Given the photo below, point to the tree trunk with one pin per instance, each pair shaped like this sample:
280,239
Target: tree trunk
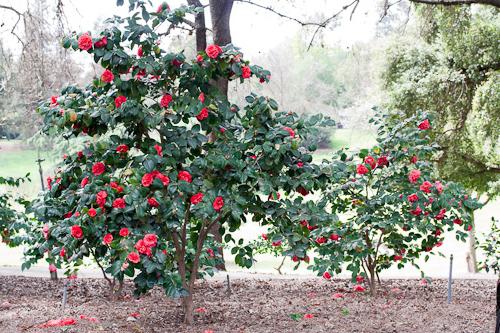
188,307
472,246
372,282
200,26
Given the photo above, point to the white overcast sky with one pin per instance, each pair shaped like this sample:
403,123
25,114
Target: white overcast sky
254,30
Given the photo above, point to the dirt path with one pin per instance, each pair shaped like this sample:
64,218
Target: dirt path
257,305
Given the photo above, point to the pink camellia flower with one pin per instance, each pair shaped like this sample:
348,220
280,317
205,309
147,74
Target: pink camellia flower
246,72
142,248
469,227
98,168
201,97
327,275
147,180
164,179
360,279
438,186
308,316
133,257
361,169
413,197
338,296
370,161
417,211
424,125
84,182
85,42
199,58
108,238
119,203
101,42
440,215
200,310
184,176
159,149
300,164
203,114
107,76
116,187
208,331
101,198
124,232
152,202
426,187
196,198
122,149
165,100
211,253
52,268
119,101
76,231
438,244
423,282
92,212
49,182
213,51
290,131
218,203
359,288
163,7
413,176
150,240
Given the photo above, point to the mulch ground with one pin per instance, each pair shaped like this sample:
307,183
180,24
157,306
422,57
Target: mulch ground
253,306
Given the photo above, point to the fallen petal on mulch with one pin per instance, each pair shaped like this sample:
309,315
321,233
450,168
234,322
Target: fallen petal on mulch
58,323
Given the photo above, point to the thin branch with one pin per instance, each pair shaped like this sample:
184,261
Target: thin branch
19,15
495,3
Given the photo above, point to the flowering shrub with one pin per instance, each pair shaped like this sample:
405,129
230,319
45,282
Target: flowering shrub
491,248
13,222
168,158
394,208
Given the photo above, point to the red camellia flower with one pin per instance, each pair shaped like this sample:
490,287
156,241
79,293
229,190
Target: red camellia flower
458,221
119,101
98,168
334,237
413,197
101,42
211,253
426,187
119,203
92,212
62,253
124,232
321,240
85,42
361,169
133,257
142,248
199,58
213,51
300,164
150,240
108,238
246,72
201,97
159,150
438,186
397,257
290,131
49,182
165,100
76,231
469,227
308,316
264,236
53,100
302,191
162,7
52,269
153,202
440,215
147,180
417,211
185,176
382,161
196,198
414,159
338,295
413,176
359,288
218,203
359,279
107,76
140,53
116,187
101,198
203,114
424,125
164,179
370,161
122,149
327,275
277,243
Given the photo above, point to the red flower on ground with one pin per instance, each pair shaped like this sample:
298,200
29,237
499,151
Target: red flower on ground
308,316
85,42
76,231
413,176
124,232
98,168
361,169
213,51
153,202
147,180
119,101
119,203
218,203
108,238
203,114
184,176
196,198
338,295
122,149
246,72
359,288
134,257
165,100
92,212
424,125
107,76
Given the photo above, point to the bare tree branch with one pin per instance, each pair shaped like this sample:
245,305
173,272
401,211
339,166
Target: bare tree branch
495,3
19,16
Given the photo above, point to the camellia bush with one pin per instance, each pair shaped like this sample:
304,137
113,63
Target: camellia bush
13,221
393,208
168,158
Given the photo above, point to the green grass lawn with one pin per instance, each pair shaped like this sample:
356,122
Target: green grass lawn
354,139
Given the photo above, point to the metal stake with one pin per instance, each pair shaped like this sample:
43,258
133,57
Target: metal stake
449,279
65,294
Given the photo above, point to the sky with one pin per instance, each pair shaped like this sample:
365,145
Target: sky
254,30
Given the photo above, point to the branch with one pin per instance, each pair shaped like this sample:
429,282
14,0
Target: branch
19,15
495,3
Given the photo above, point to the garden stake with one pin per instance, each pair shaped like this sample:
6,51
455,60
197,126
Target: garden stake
65,294
228,285
449,279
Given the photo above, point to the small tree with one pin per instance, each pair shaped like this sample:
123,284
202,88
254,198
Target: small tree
169,158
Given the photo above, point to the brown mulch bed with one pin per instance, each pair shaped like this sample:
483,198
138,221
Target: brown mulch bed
254,306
